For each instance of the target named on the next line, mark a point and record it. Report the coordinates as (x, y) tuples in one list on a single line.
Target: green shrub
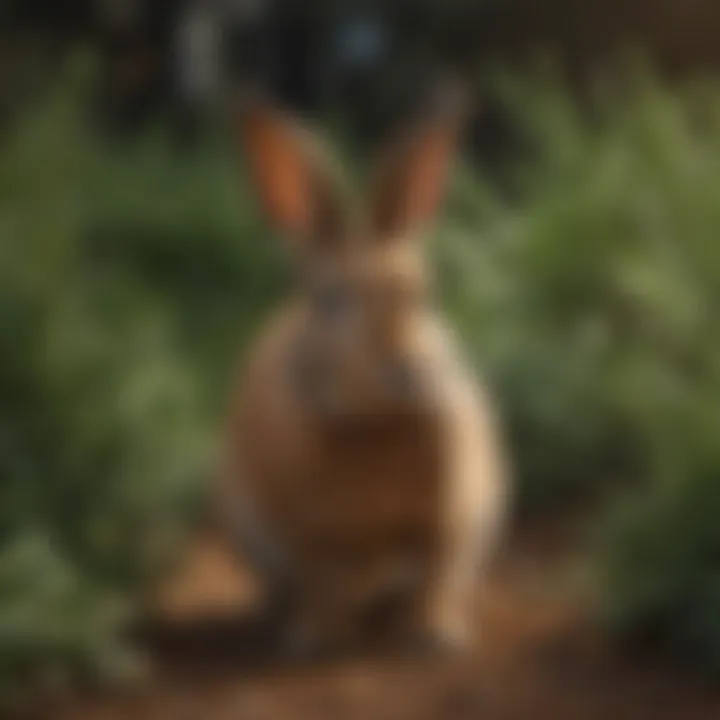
[(185, 229), (102, 441), (590, 303), (593, 306)]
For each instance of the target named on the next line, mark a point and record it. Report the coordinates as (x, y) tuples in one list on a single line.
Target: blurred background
[(578, 253)]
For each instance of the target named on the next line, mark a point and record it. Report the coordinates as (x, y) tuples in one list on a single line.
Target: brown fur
[(367, 493)]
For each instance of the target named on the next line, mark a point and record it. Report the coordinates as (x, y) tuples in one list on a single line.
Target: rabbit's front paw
[(434, 640), (442, 629)]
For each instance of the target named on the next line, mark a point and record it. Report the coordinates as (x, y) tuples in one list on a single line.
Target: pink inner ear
[(411, 188), (280, 172), (427, 176)]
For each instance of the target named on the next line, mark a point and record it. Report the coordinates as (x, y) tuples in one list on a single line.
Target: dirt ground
[(537, 657)]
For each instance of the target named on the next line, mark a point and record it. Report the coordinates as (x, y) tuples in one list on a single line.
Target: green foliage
[(592, 307), (186, 228), (102, 435)]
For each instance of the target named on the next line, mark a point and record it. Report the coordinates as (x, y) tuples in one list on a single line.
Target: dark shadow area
[(233, 641)]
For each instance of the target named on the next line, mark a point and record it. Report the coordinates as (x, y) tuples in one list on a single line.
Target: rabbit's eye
[(333, 302)]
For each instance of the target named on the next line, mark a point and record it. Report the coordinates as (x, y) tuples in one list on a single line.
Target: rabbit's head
[(364, 284)]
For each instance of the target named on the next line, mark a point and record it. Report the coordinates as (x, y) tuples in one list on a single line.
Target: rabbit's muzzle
[(381, 385)]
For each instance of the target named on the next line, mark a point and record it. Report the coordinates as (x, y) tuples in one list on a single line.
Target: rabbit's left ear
[(299, 186), (410, 179)]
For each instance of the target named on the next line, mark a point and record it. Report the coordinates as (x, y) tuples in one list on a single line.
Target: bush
[(590, 303), (129, 280), (102, 435), (593, 306)]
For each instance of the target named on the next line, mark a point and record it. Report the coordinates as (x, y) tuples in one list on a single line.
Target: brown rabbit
[(362, 463)]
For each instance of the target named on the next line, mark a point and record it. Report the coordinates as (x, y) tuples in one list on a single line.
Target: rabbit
[(363, 462)]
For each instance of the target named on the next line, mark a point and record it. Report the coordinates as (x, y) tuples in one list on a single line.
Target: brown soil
[(538, 657)]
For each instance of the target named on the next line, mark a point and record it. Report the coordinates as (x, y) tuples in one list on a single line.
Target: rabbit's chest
[(374, 490)]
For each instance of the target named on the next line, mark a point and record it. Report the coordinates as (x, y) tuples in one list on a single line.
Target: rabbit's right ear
[(409, 180), (298, 186)]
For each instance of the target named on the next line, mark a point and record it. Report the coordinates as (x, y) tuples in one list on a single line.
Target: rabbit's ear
[(410, 178), (298, 186)]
